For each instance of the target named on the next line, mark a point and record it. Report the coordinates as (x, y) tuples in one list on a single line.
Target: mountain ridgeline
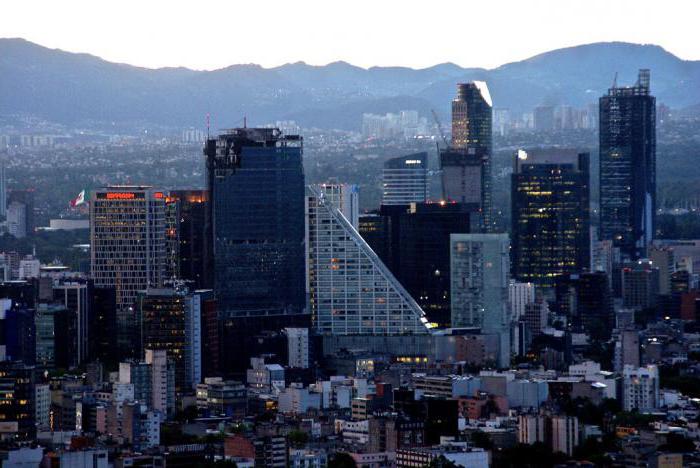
[(75, 89)]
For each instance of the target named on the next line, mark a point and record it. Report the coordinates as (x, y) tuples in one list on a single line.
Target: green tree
[(481, 440), (298, 438), (342, 460), (442, 462)]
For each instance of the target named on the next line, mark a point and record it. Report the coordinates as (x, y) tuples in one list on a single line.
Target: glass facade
[(550, 215), (256, 184), (405, 180), (472, 114), (480, 280), (350, 290), (128, 249), (628, 167), (192, 231)]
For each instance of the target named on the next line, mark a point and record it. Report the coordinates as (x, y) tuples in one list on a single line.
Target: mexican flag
[(79, 200)]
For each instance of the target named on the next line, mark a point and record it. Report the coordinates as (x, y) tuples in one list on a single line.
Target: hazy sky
[(208, 34)]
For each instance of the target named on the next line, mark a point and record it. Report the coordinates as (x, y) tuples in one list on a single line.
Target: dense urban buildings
[(260, 321), (628, 167), (550, 216)]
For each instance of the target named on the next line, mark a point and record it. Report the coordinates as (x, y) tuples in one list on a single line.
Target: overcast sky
[(209, 34)]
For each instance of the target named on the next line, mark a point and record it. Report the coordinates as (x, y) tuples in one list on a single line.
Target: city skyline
[(182, 42)]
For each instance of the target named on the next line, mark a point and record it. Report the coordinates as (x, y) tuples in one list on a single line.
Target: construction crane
[(439, 126)]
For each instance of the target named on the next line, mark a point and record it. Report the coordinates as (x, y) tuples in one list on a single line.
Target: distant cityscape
[(502, 288)]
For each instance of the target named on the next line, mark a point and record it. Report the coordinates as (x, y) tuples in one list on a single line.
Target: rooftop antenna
[(245, 122), (615, 81), (208, 125)]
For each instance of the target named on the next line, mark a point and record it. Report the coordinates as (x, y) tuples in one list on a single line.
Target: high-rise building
[(162, 381), (171, 320), (550, 215), (480, 281), (543, 117), (50, 335), (587, 300), (74, 294), (17, 384), (535, 318), (565, 433), (472, 115), (346, 197), (663, 259), (520, 295), (416, 249), (640, 388), (640, 284), (128, 249), (464, 179), (255, 178), (628, 167), (102, 342), (350, 290), (17, 219), (297, 347), (193, 228), (405, 180), (3, 188), (26, 198)]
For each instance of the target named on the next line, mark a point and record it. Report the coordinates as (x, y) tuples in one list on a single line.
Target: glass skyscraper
[(471, 149), (405, 180), (479, 284), (350, 290), (128, 249), (256, 186), (550, 215), (628, 167)]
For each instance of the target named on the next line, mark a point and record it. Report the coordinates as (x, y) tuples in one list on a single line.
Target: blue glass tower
[(256, 181)]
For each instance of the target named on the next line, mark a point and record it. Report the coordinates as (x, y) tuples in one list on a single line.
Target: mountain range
[(75, 89)]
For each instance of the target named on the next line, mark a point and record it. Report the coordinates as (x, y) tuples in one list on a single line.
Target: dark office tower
[(472, 111), (416, 249), (194, 250), (128, 249), (550, 215), (405, 180), (628, 167), (464, 180), (74, 294), (102, 341), (17, 332), (210, 335), (587, 300), (371, 228), (256, 183), (640, 284)]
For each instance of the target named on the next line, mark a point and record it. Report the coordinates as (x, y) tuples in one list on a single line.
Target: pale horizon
[(210, 35)]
